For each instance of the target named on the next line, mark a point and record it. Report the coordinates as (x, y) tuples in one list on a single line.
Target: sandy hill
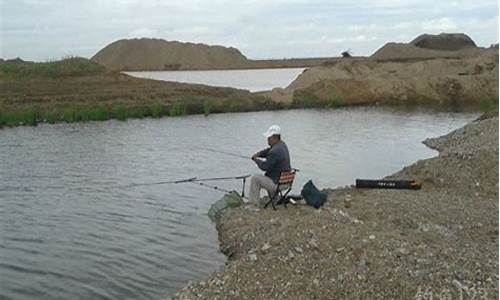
[(428, 46), (444, 41), (157, 54)]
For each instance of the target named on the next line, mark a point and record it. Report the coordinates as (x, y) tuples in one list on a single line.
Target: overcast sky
[(50, 29)]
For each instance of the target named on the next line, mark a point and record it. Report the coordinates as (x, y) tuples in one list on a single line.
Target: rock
[(363, 263), (266, 247), (299, 250), (313, 243), (404, 251), (371, 237), (252, 257)]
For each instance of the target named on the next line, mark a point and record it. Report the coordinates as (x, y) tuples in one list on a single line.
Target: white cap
[(275, 129)]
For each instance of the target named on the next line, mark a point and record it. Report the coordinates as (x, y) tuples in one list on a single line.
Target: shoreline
[(79, 90), (389, 244)]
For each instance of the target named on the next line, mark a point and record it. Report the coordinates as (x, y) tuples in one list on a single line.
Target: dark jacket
[(277, 161)]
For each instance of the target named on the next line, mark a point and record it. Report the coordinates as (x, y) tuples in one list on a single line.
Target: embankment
[(440, 241), (77, 89), (159, 55), (448, 82)]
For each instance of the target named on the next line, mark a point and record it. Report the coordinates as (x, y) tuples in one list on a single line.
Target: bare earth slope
[(437, 81), (441, 241), (156, 54)]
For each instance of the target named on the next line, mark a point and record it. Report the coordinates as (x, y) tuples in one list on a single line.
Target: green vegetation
[(157, 110), (207, 108), (335, 100), (489, 105), (24, 117), (73, 66), (178, 109), (307, 99), (119, 112), (303, 99)]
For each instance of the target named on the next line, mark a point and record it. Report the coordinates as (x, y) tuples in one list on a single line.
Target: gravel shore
[(440, 242)]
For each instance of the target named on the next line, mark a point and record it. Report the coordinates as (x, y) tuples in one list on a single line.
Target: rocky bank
[(440, 241)]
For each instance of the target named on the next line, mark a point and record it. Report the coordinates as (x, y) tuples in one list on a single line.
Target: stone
[(252, 257), (371, 237), (299, 250), (266, 247)]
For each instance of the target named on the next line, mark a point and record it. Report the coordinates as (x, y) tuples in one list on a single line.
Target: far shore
[(79, 90)]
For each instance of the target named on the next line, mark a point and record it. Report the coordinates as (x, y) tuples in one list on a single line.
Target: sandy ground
[(108, 89), (465, 80), (440, 242)]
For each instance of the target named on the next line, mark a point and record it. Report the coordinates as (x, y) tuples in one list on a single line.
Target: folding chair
[(280, 196)]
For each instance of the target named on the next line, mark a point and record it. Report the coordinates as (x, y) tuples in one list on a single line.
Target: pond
[(74, 226), (254, 80)]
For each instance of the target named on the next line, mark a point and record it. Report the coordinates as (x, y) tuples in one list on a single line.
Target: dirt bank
[(441, 241), (79, 90), (158, 55), (461, 81)]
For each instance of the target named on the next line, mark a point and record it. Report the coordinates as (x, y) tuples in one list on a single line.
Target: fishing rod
[(224, 152), (201, 180), (164, 182), (212, 187)]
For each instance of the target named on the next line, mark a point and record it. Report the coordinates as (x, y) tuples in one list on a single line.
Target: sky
[(44, 30)]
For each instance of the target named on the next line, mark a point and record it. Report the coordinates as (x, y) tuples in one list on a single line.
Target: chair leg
[(271, 201)]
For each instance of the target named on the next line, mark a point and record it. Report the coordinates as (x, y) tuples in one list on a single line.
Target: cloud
[(259, 28), (144, 33), (441, 24)]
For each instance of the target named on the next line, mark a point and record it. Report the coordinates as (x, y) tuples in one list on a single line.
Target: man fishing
[(273, 161)]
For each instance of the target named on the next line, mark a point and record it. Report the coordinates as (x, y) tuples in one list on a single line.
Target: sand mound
[(427, 46), (444, 41), (157, 54), (408, 52), (438, 81)]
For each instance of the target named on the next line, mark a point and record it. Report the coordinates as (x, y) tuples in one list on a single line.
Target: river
[(253, 80), (74, 226)]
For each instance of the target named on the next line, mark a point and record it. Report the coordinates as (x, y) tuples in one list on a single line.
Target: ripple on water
[(74, 228)]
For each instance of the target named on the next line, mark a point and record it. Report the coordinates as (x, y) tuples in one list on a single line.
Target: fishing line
[(224, 152)]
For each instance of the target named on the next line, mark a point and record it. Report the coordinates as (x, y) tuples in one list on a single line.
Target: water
[(70, 227), (252, 80)]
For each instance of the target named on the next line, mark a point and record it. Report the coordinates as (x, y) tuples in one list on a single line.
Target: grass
[(119, 112), (177, 110), (15, 118), (207, 108), (335, 100), (488, 105), (157, 110), (68, 67)]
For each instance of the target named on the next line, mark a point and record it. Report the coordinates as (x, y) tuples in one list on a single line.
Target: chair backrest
[(287, 178)]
